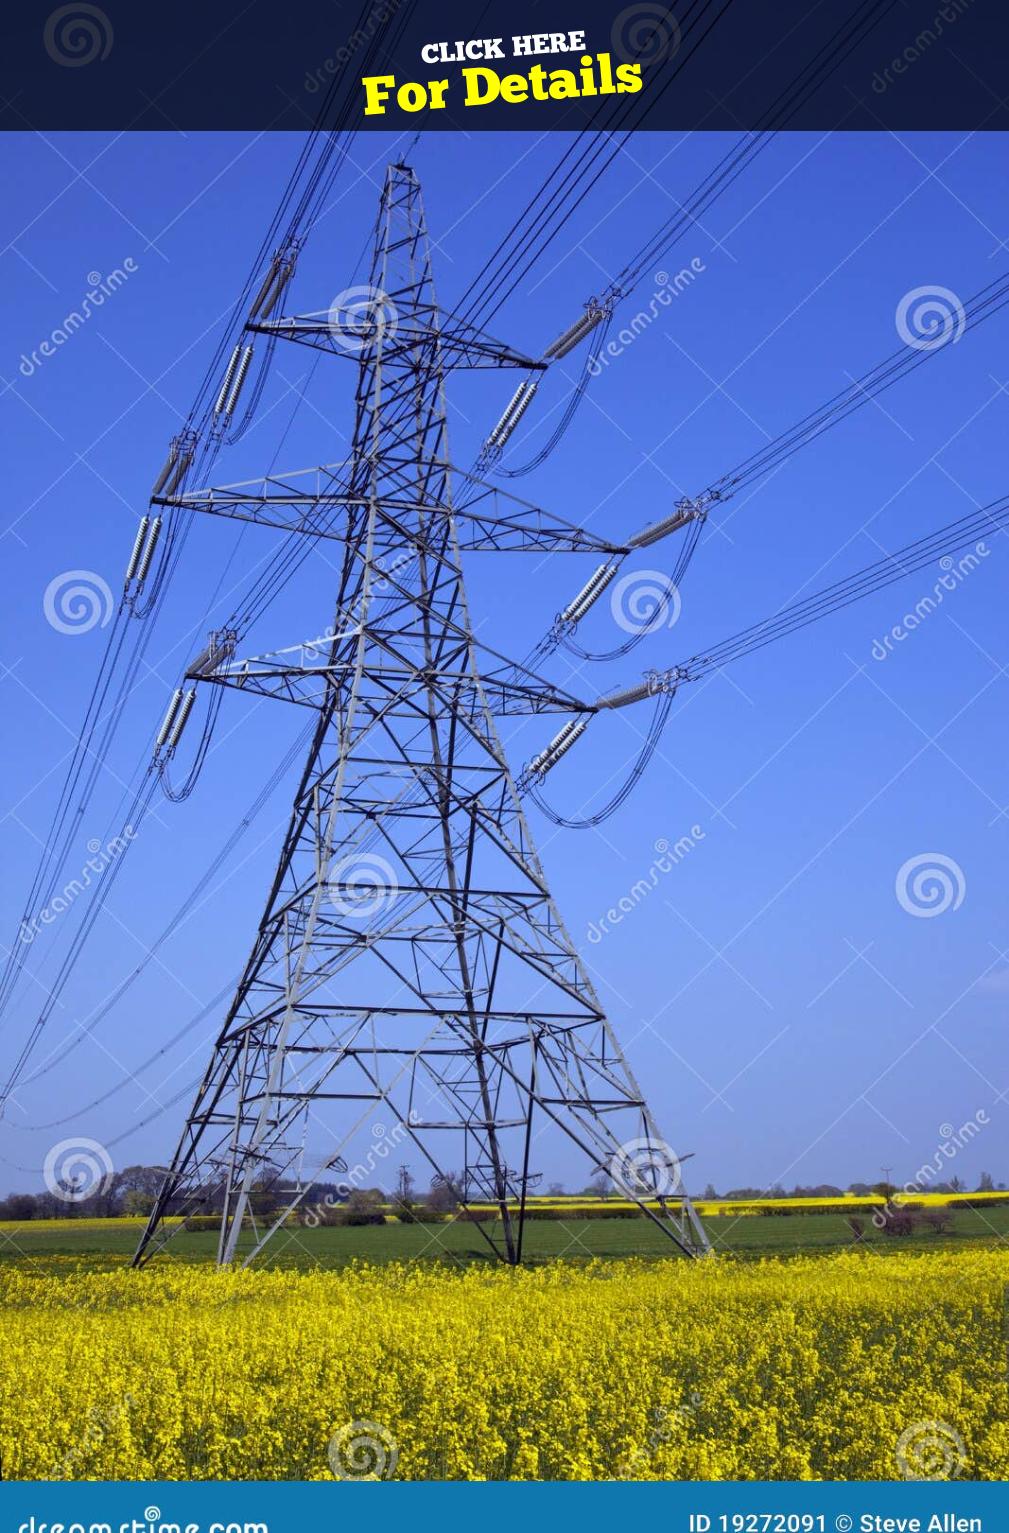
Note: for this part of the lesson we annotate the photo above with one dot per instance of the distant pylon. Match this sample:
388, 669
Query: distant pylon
410, 956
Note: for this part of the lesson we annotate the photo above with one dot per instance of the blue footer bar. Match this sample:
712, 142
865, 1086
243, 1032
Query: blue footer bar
294, 1507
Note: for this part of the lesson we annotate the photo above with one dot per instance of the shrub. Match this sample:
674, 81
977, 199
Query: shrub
899, 1221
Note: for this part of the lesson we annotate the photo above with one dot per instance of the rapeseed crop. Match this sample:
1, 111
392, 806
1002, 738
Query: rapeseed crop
854, 1366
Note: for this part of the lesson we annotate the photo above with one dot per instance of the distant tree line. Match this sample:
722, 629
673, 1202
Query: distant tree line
132, 1192
855, 1189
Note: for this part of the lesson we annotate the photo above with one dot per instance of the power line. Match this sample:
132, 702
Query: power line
792, 618
328, 150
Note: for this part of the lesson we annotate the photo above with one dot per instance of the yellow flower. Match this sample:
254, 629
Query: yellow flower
854, 1366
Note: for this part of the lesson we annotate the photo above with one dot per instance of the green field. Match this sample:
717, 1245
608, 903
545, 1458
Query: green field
94, 1245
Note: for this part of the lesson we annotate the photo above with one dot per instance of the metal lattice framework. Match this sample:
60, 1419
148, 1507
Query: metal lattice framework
410, 957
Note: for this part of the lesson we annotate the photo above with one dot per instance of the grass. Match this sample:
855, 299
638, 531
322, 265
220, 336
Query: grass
97, 1245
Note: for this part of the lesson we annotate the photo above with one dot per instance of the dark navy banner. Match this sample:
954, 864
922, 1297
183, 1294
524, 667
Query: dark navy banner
530, 65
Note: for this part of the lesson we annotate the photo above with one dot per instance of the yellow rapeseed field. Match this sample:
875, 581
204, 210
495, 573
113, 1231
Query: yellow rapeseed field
843, 1367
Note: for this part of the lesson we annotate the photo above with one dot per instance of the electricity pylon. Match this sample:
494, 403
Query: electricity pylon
410, 956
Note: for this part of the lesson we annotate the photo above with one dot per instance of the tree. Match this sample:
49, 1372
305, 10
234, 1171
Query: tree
710, 1195
263, 1195
986, 1184
72, 1194
899, 1221
446, 1193
598, 1187
137, 1202
19, 1206
134, 1189
556, 1190
956, 1185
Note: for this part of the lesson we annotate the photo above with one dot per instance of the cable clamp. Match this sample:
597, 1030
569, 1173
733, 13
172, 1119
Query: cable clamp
665, 681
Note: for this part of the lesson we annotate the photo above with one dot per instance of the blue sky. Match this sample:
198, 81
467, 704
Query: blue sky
790, 1019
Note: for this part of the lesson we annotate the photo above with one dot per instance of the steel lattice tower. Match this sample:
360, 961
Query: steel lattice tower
444, 985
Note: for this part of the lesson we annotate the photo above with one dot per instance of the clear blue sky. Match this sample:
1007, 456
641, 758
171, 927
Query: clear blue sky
790, 1020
